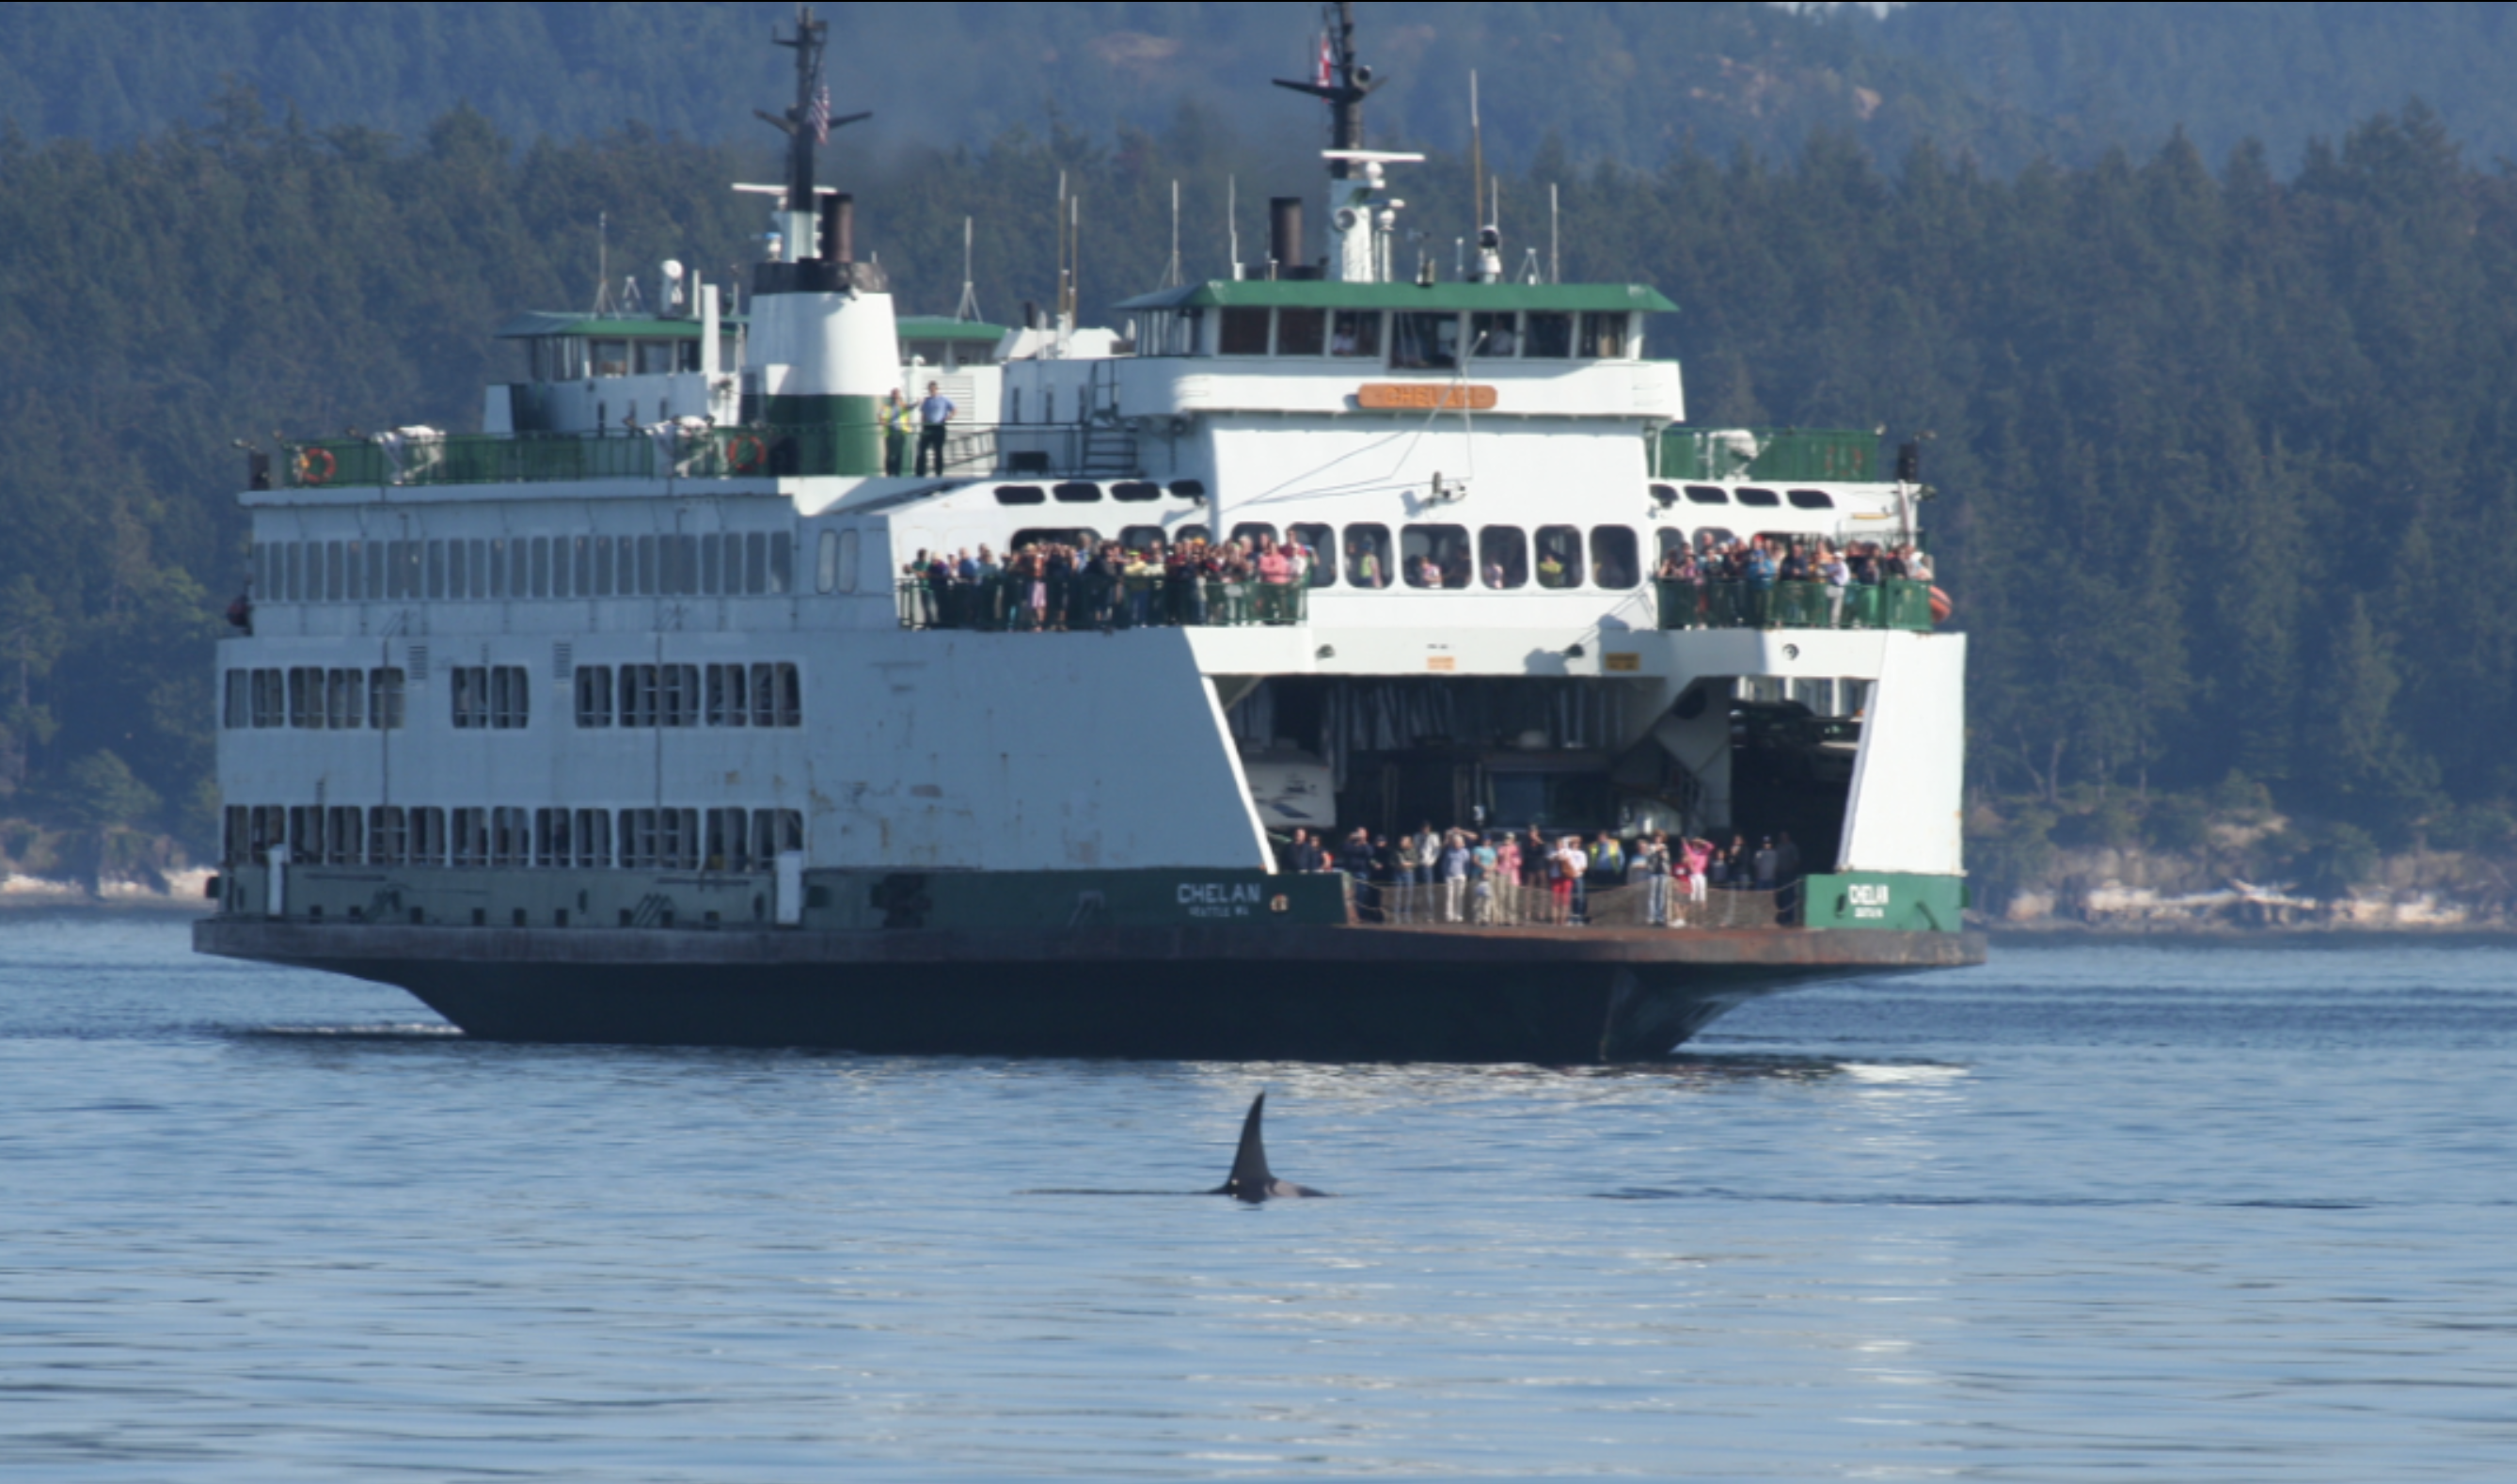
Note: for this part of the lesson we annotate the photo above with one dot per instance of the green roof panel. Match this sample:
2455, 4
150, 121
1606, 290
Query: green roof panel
938, 327
528, 326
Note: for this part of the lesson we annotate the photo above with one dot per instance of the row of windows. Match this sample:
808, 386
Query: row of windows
393, 834
490, 695
313, 698
753, 563
1764, 499
1412, 339
1086, 493
770, 695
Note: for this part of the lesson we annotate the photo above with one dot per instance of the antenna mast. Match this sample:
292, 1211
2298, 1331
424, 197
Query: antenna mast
806, 125
968, 307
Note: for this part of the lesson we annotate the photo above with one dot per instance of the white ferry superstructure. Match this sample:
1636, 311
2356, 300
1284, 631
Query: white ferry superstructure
621, 720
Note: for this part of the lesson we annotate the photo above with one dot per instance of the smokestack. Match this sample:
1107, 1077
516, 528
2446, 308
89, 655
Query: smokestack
838, 229
1285, 234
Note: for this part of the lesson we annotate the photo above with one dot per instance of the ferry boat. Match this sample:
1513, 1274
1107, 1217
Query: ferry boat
660, 710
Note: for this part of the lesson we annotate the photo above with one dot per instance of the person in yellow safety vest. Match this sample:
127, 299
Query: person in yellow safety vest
895, 432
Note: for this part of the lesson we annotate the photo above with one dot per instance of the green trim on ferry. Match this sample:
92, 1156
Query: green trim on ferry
938, 327
1324, 293
854, 424
1885, 900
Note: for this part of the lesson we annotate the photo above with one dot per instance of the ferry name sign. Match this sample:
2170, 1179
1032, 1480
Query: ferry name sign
1424, 396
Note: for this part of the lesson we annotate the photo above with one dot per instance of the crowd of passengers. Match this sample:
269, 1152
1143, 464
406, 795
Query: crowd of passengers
1050, 585
1500, 876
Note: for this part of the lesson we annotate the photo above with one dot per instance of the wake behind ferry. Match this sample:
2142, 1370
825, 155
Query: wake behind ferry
775, 669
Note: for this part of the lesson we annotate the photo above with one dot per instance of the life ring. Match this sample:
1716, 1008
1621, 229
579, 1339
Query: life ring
1941, 606
316, 466
745, 452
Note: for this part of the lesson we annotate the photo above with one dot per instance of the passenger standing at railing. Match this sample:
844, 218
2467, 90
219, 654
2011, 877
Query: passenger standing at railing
1354, 858
1918, 564
1832, 570
1456, 865
1485, 865
1507, 880
932, 415
895, 432
1650, 867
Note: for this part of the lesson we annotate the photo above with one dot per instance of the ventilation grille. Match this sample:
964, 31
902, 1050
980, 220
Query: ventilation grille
563, 660
419, 664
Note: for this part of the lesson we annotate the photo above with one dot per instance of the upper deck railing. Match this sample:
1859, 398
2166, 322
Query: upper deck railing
1894, 602
735, 451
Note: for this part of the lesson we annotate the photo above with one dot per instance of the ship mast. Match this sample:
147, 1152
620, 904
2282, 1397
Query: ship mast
1355, 176
807, 124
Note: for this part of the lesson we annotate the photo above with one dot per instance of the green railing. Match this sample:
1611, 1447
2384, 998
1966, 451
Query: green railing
1897, 603
1850, 455
494, 458
1090, 601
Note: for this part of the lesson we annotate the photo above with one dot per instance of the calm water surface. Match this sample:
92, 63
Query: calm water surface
2091, 1213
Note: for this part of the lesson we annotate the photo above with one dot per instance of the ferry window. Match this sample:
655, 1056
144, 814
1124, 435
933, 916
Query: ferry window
345, 699
238, 712
1560, 556
756, 563
847, 561
304, 834
603, 567
456, 568
1548, 335
348, 846
541, 558
728, 832
497, 569
511, 837
610, 358
305, 697
1503, 557
335, 581
385, 699
782, 562
427, 836
414, 558
1667, 542
1810, 500
291, 562
593, 837
1604, 335
1707, 494
470, 835
1020, 494
467, 693
270, 698
647, 586
1713, 538
826, 563
366, 571
1140, 538
1252, 530
1367, 555
388, 834
481, 554
774, 831
1493, 334
679, 846
1135, 489
1760, 499
1243, 332
637, 837
1188, 489
1194, 531
655, 358
678, 695
711, 564
1424, 341
1321, 542
1301, 331
510, 696
594, 695
727, 706
1434, 556
1075, 492
550, 837
673, 567
1614, 561
777, 696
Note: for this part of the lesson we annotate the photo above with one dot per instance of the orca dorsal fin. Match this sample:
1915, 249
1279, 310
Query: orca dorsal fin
1250, 1179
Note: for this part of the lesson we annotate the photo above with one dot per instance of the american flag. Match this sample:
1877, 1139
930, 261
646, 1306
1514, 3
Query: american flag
1326, 79
819, 115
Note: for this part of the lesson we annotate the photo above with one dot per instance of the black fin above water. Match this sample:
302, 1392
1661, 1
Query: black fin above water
1251, 1180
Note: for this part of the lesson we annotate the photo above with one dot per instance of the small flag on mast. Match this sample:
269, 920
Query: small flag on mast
819, 115
1327, 79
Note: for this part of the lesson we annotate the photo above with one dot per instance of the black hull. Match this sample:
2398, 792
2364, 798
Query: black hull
1550, 996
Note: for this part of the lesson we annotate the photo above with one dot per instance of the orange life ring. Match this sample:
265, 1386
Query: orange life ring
745, 450
1941, 606
316, 466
